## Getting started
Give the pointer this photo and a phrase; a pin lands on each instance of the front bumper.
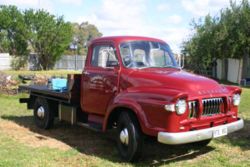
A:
(197, 135)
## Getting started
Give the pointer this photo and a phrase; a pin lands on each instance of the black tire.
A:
(131, 151)
(47, 120)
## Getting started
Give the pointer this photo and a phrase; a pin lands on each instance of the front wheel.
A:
(129, 137)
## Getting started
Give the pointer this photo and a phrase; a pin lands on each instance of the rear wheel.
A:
(129, 137)
(43, 117)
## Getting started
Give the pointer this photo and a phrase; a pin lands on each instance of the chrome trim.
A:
(196, 135)
(193, 109)
(124, 137)
(211, 106)
(40, 112)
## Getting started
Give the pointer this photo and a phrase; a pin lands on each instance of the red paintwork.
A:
(146, 91)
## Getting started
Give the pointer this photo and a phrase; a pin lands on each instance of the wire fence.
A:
(69, 62)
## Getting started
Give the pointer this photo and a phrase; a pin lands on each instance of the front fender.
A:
(233, 89)
(148, 106)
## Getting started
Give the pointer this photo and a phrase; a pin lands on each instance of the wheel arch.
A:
(134, 110)
(115, 113)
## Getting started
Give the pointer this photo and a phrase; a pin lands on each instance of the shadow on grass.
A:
(103, 145)
(241, 138)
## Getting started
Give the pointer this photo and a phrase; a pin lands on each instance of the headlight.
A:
(236, 99)
(181, 107)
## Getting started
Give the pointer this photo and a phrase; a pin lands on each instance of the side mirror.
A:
(181, 60)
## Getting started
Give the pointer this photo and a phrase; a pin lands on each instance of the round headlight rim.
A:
(236, 96)
(177, 105)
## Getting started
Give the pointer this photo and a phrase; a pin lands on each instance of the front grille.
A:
(193, 109)
(212, 106)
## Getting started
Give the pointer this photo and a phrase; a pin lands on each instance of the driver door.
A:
(100, 80)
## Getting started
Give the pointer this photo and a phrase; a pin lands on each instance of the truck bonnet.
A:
(194, 85)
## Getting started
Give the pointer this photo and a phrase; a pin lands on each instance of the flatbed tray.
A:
(72, 95)
(43, 89)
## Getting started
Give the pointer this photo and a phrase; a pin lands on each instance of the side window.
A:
(125, 53)
(103, 56)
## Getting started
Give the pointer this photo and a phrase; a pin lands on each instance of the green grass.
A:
(19, 144)
(16, 154)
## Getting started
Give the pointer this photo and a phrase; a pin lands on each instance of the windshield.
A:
(145, 54)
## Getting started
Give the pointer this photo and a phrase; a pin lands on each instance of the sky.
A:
(168, 20)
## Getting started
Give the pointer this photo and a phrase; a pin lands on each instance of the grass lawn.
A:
(22, 144)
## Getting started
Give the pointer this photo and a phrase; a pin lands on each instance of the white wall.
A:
(219, 69)
(234, 70)
(5, 61)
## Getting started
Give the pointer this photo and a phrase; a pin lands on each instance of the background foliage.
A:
(224, 36)
(39, 32)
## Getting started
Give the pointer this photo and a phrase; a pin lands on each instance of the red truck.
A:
(134, 85)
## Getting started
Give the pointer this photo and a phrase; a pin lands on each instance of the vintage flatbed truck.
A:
(134, 85)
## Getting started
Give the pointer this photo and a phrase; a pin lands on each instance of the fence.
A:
(67, 62)
(5, 61)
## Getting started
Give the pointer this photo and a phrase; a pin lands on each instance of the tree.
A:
(82, 34)
(13, 33)
(48, 36)
(225, 36)
(202, 43)
(22, 32)
(38, 31)
(4, 42)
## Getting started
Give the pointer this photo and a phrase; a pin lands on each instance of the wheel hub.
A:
(124, 136)
(40, 112)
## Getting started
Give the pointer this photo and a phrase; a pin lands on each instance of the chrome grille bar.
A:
(193, 109)
(211, 106)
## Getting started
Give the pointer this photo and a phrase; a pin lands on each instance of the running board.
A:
(91, 126)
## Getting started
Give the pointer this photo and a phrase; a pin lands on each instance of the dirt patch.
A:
(24, 135)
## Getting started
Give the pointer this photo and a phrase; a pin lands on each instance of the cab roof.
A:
(119, 39)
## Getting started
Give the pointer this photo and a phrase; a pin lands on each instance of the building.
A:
(233, 70)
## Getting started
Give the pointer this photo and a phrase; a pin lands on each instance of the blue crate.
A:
(59, 84)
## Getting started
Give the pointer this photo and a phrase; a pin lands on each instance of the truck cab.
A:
(134, 85)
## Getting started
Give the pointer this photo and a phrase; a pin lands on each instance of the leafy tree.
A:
(82, 34)
(13, 33)
(224, 36)
(38, 31)
(48, 36)
(4, 42)
(201, 44)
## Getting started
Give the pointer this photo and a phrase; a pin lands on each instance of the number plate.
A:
(219, 132)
